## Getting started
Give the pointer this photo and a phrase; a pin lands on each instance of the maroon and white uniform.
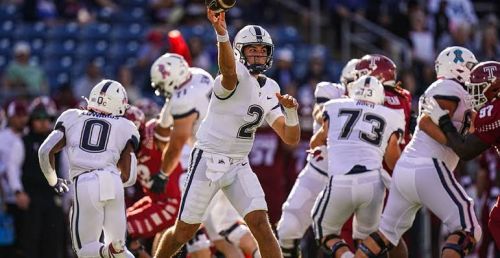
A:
(154, 212)
(487, 124)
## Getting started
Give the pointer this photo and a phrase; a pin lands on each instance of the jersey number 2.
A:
(95, 135)
(377, 122)
(247, 130)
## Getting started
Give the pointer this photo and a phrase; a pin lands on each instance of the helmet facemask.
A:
(477, 90)
(257, 68)
(159, 89)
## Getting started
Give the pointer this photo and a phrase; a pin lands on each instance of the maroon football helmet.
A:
(484, 82)
(137, 117)
(148, 106)
(42, 107)
(378, 66)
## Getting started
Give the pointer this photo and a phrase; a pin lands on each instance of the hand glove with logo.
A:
(433, 110)
(159, 182)
(61, 186)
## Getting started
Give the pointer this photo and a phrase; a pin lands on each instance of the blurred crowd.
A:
(62, 48)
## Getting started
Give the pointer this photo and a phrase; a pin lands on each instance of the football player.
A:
(154, 212)
(100, 143)
(355, 127)
(384, 69)
(422, 176)
(484, 86)
(187, 91)
(242, 98)
(296, 216)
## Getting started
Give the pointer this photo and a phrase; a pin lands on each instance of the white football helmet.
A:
(455, 63)
(349, 72)
(253, 35)
(108, 97)
(169, 72)
(367, 88)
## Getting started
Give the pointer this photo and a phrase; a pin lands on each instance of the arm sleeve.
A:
(14, 165)
(44, 157)
(465, 147)
(222, 93)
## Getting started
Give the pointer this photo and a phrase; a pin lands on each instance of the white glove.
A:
(61, 186)
(433, 110)
(166, 120)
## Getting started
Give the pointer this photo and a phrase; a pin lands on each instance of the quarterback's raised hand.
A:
(287, 101)
(218, 21)
(433, 110)
(159, 182)
(61, 186)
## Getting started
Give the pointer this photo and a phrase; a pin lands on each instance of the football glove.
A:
(159, 182)
(433, 110)
(61, 186)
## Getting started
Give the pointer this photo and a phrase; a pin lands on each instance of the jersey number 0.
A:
(95, 134)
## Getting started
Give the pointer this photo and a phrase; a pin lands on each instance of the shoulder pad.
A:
(327, 90)
(67, 119)
(446, 89)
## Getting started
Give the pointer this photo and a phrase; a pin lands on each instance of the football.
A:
(220, 5)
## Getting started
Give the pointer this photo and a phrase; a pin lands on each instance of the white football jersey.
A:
(422, 145)
(93, 140)
(230, 125)
(324, 92)
(193, 97)
(358, 133)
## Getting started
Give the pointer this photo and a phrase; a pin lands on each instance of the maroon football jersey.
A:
(487, 123)
(149, 159)
(399, 98)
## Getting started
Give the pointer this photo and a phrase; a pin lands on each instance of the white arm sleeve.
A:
(14, 165)
(44, 157)
(133, 171)
(220, 91)
(165, 118)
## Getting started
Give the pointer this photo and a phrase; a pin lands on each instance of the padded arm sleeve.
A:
(44, 157)
(133, 171)
(466, 148)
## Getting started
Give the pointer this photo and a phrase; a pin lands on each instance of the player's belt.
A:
(357, 169)
(88, 171)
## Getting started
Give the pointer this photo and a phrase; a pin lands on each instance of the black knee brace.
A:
(383, 247)
(338, 245)
(335, 246)
(465, 245)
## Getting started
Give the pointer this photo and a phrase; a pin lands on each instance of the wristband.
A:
(162, 138)
(291, 116)
(52, 178)
(222, 38)
(163, 175)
